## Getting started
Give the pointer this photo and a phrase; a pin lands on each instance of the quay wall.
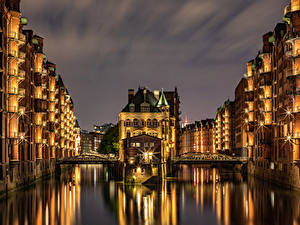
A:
(282, 175)
(23, 174)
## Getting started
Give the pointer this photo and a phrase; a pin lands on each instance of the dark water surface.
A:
(86, 195)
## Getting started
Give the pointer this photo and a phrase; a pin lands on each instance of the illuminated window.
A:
(132, 144)
(152, 144)
(146, 144)
(135, 123)
(138, 144)
(149, 123)
(155, 123)
(127, 123)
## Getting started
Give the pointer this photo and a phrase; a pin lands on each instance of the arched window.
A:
(149, 123)
(142, 123)
(127, 123)
(135, 123)
(155, 123)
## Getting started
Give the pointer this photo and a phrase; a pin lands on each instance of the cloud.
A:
(104, 47)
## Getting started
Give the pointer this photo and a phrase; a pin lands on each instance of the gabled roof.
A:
(142, 97)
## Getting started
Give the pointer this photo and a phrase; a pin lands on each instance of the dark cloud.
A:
(104, 47)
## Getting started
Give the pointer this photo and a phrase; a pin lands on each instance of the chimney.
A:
(130, 95)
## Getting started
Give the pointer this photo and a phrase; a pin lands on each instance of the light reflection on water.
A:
(88, 195)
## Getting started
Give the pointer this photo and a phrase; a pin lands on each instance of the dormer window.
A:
(145, 107)
(131, 107)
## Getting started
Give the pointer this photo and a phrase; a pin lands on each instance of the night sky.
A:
(102, 48)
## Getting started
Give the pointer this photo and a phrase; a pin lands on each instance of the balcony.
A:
(12, 109)
(44, 85)
(292, 73)
(12, 90)
(268, 109)
(247, 89)
(264, 70)
(22, 39)
(13, 36)
(44, 71)
(21, 57)
(13, 134)
(21, 92)
(21, 75)
(22, 110)
(292, 53)
(12, 54)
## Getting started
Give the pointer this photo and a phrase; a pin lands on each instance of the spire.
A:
(162, 100)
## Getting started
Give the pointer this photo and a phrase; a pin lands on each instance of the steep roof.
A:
(143, 97)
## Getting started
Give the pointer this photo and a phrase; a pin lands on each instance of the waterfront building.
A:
(225, 136)
(198, 137)
(273, 103)
(37, 112)
(154, 117)
(240, 114)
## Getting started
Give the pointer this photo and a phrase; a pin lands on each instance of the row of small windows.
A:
(141, 123)
(137, 144)
(153, 134)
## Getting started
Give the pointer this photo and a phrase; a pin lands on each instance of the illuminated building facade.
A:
(240, 114)
(37, 115)
(198, 137)
(273, 122)
(90, 141)
(152, 114)
(225, 128)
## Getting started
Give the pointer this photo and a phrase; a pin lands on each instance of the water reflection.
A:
(88, 195)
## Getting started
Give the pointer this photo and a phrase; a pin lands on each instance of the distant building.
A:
(225, 128)
(198, 137)
(240, 125)
(103, 128)
(90, 141)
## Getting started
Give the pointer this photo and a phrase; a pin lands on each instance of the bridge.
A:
(190, 158)
(208, 158)
(89, 158)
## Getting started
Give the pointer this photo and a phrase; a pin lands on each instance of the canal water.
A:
(87, 195)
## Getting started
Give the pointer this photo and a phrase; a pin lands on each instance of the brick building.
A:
(37, 112)
(198, 137)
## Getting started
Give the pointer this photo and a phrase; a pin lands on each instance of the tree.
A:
(110, 141)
